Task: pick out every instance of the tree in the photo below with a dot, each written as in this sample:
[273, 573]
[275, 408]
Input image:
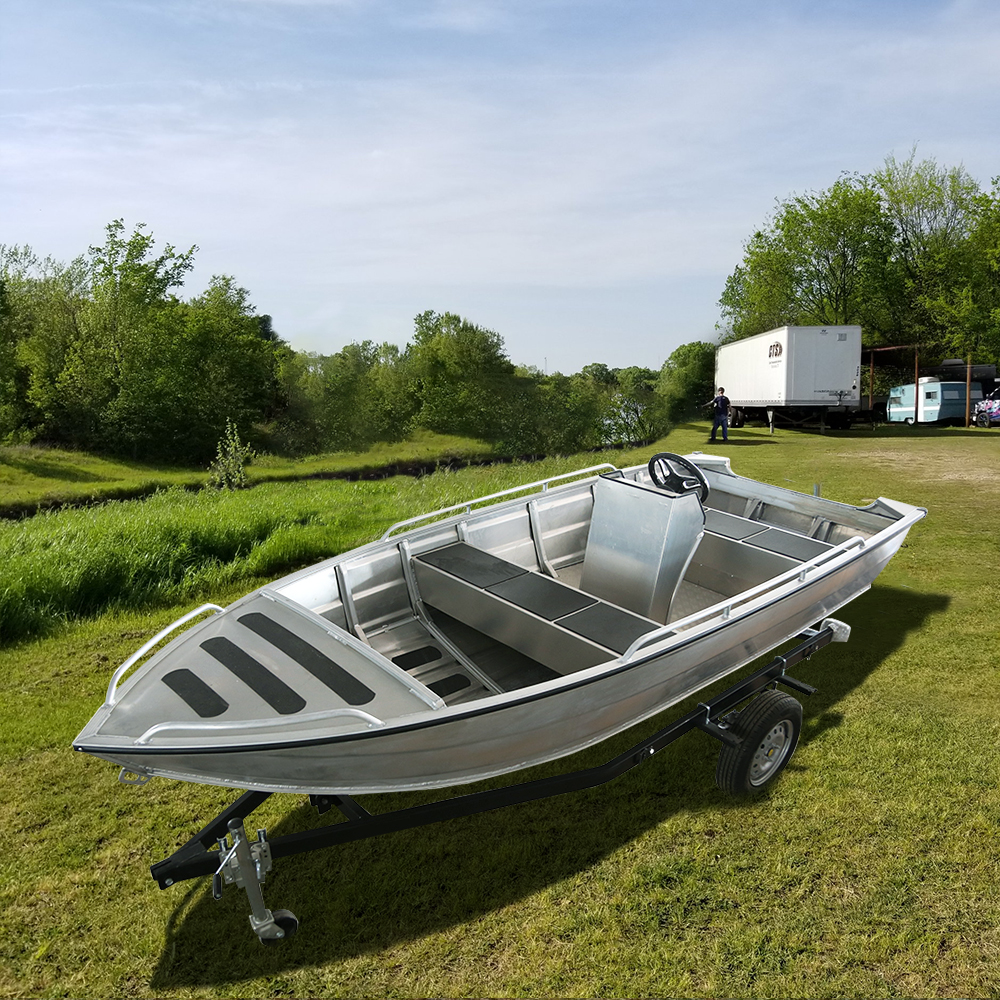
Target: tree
[463, 377]
[686, 380]
[636, 414]
[819, 262]
[933, 212]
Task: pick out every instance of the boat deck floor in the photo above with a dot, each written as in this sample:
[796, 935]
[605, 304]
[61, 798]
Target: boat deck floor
[411, 647]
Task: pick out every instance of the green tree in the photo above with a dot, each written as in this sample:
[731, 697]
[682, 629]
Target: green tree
[932, 294]
[43, 302]
[686, 380]
[463, 377]
[819, 261]
[198, 365]
[635, 414]
[128, 310]
[570, 412]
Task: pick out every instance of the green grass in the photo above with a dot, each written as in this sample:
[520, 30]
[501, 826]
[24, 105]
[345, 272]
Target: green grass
[868, 870]
[33, 477]
[76, 562]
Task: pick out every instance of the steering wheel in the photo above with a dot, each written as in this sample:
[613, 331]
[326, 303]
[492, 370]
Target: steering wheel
[664, 474]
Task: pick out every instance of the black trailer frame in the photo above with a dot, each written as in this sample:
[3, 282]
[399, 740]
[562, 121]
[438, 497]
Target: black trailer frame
[245, 862]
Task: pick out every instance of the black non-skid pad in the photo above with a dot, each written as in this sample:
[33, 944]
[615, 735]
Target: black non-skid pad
[609, 627]
[541, 594]
[332, 674]
[199, 696]
[731, 526]
[417, 657]
[449, 685]
[255, 675]
[471, 564]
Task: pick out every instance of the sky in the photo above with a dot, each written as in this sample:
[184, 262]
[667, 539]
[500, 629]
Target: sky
[577, 175]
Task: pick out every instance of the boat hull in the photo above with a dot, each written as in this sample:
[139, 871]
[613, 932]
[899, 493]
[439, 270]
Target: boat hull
[505, 733]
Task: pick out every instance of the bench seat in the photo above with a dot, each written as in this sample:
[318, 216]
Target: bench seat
[555, 624]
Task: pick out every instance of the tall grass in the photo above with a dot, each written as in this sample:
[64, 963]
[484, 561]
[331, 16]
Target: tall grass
[33, 478]
[133, 554]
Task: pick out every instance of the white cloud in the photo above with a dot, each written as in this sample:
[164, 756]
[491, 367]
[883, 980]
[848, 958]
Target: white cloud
[336, 186]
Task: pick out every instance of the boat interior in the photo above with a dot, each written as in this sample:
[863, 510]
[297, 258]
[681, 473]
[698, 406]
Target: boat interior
[514, 594]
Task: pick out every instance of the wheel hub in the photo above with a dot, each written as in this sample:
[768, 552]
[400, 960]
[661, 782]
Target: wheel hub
[771, 753]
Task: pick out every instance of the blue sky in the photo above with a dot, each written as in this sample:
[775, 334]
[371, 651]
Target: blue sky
[578, 175]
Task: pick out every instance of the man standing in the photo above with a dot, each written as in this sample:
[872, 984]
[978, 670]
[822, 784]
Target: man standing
[721, 412]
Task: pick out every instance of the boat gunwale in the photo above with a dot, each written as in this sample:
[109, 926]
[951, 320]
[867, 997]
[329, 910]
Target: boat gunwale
[569, 682]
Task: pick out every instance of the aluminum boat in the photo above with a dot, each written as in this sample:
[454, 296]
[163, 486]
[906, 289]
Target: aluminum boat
[492, 635]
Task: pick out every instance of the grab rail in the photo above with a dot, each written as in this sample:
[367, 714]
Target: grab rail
[207, 727]
[141, 652]
[726, 607]
[467, 504]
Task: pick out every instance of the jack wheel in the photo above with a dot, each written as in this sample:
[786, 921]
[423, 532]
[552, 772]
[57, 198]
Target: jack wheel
[288, 922]
[769, 728]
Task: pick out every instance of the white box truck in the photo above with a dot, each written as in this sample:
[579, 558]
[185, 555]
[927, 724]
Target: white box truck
[794, 374]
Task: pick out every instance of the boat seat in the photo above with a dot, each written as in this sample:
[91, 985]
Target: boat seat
[790, 544]
[639, 545]
[551, 622]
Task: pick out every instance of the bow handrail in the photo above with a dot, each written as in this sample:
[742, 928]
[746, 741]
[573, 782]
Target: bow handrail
[143, 650]
[370, 720]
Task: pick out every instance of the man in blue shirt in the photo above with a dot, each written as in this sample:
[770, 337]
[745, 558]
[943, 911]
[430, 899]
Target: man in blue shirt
[721, 412]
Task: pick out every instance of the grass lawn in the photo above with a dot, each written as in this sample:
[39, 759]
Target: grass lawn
[868, 870]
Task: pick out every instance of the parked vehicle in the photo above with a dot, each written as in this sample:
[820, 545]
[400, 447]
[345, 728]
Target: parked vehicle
[794, 375]
[939, 402]
[987, 411]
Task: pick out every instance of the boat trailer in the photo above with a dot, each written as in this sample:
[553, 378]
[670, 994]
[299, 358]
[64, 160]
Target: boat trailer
[757, 743]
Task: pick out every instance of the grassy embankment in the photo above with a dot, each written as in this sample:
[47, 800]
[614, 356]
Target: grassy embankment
[36, 478]
[869, 870]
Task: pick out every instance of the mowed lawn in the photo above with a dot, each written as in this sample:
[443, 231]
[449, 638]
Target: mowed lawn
[869, 870]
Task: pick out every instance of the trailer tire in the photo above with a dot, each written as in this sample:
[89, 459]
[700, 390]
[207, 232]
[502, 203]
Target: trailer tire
[769, 729]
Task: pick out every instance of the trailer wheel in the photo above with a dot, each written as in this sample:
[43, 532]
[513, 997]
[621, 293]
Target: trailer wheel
[769, 729]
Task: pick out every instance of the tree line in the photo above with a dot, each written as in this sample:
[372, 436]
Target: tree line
[104, 354]
[910, 251]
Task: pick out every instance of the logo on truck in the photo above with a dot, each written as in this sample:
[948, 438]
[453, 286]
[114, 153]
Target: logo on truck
[774, 351]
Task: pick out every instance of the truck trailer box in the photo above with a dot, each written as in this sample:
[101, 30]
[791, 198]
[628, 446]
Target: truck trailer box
[810, 366]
